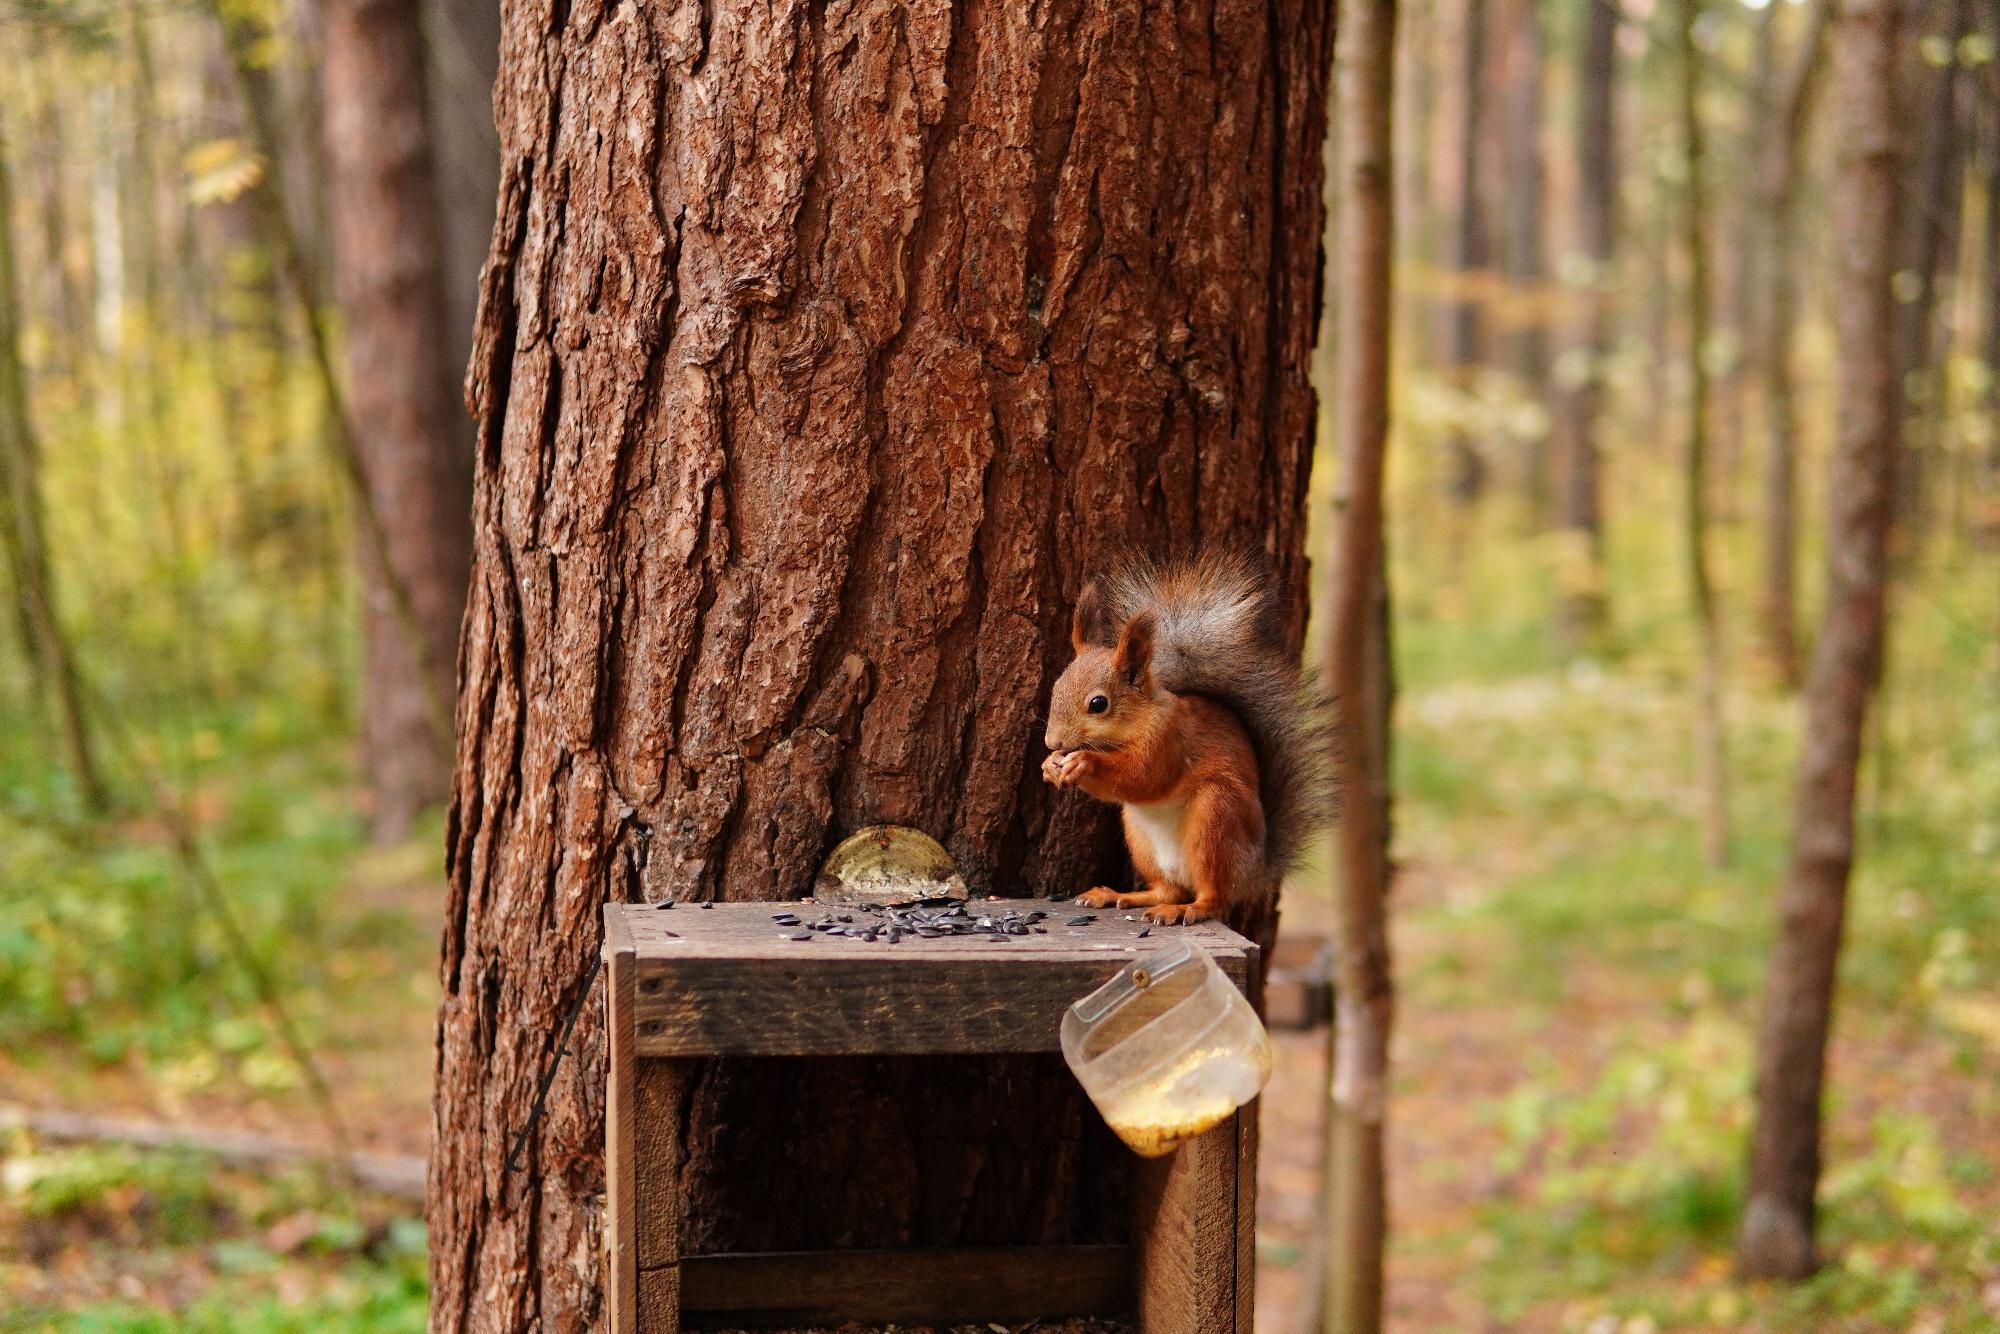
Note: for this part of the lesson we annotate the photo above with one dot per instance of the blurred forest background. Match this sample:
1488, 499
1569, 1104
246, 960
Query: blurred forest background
226, 229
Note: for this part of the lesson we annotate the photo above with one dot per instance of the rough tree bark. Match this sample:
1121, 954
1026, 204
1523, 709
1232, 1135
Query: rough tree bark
1788, 113
822, 352
1580, 400
1357, 668
388, 262
1777, 1235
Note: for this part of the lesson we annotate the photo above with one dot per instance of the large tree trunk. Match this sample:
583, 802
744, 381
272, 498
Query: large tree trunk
1777, 1236
389, 255
1358, 671
1580, 402
822, 353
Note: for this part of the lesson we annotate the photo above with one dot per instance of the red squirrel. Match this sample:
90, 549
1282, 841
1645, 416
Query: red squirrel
1181, 707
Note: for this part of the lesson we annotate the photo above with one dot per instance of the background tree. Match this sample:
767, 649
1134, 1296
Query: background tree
1360, 675
1787, 115
23, 529
1927, 251
807, 401
1524, 188
462, 47
1471, 253
389, 258
1579, 404
1710, 738
1777, 1235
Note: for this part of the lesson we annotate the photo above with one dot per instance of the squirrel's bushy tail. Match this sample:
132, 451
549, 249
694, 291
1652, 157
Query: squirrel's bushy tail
1217, 637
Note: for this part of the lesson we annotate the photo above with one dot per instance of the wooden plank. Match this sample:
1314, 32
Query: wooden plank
729, 981
620, 1218
660, 1293
1186, 1236
657, 1102
746, 930
1248, 1127
914, 1287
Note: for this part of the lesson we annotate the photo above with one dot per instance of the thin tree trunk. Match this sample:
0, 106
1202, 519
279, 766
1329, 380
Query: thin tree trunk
1471, 257
1987, 471
240, 33
462, 40
1579, 403
68, 298
1527, 263
1712, 758
1930, 237
1786, 117
244, 305
389, 262
1360, 677
823, 352
1742, 265
1777, 1236
23, 533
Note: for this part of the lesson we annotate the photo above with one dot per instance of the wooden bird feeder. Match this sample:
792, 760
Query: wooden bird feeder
725, 981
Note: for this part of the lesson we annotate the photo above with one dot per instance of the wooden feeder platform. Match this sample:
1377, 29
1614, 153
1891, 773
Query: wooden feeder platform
727, 981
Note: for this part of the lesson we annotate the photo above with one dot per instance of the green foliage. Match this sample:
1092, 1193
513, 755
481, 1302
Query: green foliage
1561, 799
277, 1253
173, 1189
103, 943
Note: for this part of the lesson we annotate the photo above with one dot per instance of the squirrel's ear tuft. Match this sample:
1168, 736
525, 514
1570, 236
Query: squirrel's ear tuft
1091, 625
1134, 658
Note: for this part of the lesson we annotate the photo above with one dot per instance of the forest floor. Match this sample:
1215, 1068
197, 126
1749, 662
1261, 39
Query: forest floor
1577, 1001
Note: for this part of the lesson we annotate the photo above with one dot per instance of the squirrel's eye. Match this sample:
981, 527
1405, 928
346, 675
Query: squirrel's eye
1098, 704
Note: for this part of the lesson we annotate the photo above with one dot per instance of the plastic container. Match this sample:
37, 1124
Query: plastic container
1167, 1049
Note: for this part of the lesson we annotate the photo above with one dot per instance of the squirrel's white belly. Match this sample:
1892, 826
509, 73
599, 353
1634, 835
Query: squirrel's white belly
1160, 825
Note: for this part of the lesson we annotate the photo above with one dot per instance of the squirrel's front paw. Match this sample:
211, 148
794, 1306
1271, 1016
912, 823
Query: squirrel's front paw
1075, 767
1185, 914
1066, 768
1098, 898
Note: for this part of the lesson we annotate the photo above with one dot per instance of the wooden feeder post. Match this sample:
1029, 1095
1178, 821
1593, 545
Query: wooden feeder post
726, 981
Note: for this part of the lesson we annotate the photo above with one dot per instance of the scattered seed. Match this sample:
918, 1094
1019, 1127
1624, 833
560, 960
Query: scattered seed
664, 903
1084, 920
1143, 934
803, 935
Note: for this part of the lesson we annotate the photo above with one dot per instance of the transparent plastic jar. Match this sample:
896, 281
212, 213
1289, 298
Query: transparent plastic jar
1167, 1049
